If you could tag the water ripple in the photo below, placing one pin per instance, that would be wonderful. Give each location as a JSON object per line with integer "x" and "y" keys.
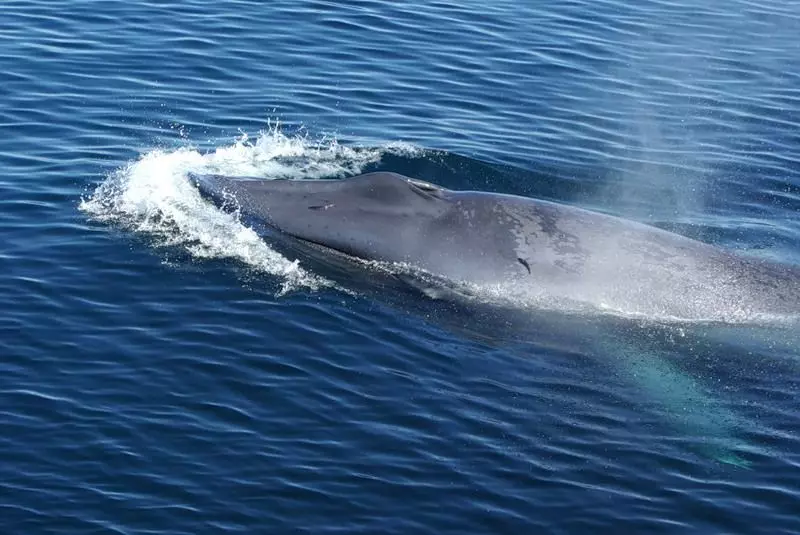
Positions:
{"x": 165, "y": 371}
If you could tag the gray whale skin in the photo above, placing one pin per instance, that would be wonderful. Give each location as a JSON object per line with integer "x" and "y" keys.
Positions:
{"x": 527, "y": 249}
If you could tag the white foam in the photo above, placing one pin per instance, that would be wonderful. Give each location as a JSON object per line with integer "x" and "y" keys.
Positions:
{"x": 153, "y": 195}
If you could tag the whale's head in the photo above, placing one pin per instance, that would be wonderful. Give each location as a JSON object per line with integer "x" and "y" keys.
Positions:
{"x": 376, "y": 216}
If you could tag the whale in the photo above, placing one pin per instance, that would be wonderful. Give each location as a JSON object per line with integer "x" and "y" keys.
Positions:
{"x": 553, "y": 260}
{"x": 531, "y": 251}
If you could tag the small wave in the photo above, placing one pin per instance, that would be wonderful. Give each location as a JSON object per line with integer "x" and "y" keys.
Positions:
{"x": 152, "y": 195}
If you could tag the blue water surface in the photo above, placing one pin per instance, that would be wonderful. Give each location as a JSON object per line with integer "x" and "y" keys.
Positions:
{"x": 165, "y": 370}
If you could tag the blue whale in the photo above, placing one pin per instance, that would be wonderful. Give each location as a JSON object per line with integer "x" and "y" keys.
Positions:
{"x": 534, "y": 254}
{"x": 526, "y": 250}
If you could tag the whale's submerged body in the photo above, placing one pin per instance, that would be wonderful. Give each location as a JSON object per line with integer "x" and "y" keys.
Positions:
{"x": 540, "y": 255}
{"x": 526, "y": 249}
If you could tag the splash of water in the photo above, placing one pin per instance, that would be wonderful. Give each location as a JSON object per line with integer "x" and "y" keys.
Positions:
{"x": 152, "y": 195}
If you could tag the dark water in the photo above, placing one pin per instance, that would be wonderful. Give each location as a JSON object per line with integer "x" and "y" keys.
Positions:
{"x": 165, "y": 371}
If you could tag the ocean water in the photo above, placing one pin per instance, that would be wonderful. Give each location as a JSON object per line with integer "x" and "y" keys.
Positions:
{"x": 165, "y": 370}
